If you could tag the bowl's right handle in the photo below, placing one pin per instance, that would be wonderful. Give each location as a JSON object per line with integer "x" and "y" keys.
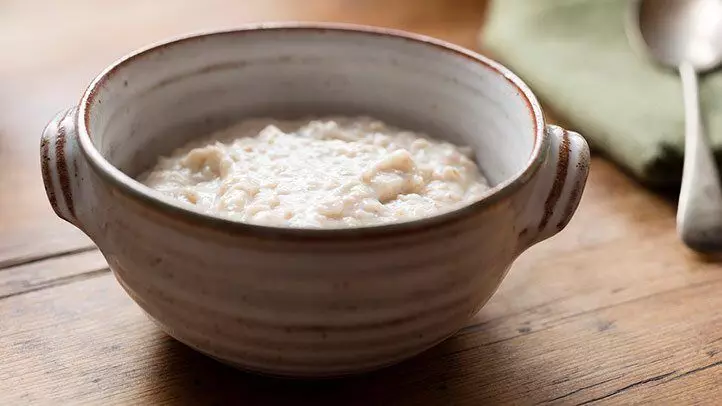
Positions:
{"x": 557, "y": 187}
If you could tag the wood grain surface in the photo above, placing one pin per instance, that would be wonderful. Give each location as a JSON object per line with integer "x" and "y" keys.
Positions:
{"x": 612, "y": 311}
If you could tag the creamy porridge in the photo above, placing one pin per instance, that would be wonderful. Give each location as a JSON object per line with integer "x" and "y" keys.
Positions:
{"x": 325, "y": 173}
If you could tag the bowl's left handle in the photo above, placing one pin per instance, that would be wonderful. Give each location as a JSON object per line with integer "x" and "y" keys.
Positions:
{"x": 59, "y": 151}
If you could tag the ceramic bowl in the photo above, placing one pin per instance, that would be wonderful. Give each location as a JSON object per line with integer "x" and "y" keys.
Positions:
{"x": 302, "y": 302}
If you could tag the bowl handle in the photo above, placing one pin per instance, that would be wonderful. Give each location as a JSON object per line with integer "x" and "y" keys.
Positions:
{"x": 59, "y": 151}
{"x": 557, "y": 188}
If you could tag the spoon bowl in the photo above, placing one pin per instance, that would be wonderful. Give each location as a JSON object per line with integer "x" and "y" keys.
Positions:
{"x": 677, "y": 31}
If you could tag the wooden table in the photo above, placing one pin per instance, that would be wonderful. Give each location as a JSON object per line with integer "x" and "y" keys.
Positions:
{"x": 613, "y": 310}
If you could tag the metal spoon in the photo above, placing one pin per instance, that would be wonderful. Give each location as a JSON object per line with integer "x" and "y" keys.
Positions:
{"x": 686, "y": 35}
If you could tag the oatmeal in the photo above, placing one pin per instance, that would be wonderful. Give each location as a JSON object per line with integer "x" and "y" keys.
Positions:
{"x": 326, "y": 173}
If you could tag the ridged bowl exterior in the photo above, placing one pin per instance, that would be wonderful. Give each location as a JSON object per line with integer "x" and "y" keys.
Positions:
{"x": 309, "y": 307}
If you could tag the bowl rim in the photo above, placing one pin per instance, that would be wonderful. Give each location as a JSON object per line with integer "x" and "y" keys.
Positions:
{"x": 160, "y": 203}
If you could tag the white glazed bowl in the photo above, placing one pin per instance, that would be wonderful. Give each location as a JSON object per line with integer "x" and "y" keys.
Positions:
{"x": 298, "y": 302}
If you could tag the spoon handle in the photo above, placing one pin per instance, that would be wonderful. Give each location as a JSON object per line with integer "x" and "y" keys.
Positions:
{"x": 699, "y": 215}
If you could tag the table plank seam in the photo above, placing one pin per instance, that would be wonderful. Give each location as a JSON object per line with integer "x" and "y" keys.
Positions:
{"x": 628, "y": 387}
{"x": 693, "y": 371}
{"x": 59, "y": 282}
{"x": 661, "y": 378}
{"x": 579, "y": 390}
{"x": 696, "y": 285}
{"x": 590, "y": 311}
{"x": 20, "y": 261}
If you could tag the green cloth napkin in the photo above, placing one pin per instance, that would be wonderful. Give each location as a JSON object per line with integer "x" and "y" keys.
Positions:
{"x": 575, "y": 56}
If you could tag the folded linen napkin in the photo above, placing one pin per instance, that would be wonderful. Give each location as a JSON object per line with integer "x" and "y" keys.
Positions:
{"x": 575, "y": 56}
